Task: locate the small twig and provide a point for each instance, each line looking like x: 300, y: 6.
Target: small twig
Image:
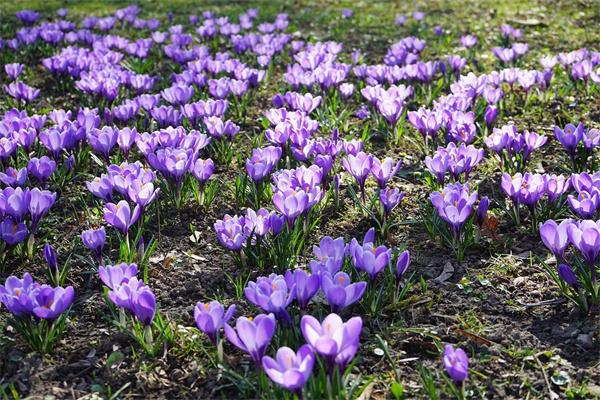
x: 543, y: 303
x: 551, y: 393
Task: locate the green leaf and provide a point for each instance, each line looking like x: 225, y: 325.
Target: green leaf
x: 113, y: 358
x: 397, y: 390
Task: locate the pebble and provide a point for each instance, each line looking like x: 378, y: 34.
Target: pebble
x: 585, y: 341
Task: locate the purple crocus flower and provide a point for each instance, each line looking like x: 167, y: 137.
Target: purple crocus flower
x: 335, y: 340
x: 307, y: 285
x: 271, y: 294
x: 347, y: 13
x: 359, y: 167
x: 142, y: 193
x: 371, y: 259
x: 50, y: 256
x: 120, y: 216
x: 101, y: 187
x: 390, y: 198
x: 290, y: 370
x: 330, y: 255
x: 567, y: 275
x: 143, y: 305
x: 454, y: 204
x: 585, y: 235
x: 556, y: 186
x: 103, y: 140
x: 383, y: 170
x: 556, y: 236
x: 339, y: 291
x: 469, y: 41
x: 12, y: 232
x: 533, y: 187
x: 39, y: 204
x: 211, y: 317
x: 115, y: 276
x: 291, y: 204
x: 202, y: 170
x: 14, y: 70
x: 16, y: 295
x: 482, y: 210
x: 230, y: 232
x: 253, y: 335
x: 16, y: 202
x: 94, y: 239
x: 13, y: 177
x: 585, y: 203
x: 570, y: 137
x: 456, y: 363
x: 262, y: 162
x: 52, y: 302
x: 402, y: 264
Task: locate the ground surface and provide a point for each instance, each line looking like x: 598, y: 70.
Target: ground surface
x: 517, y: 350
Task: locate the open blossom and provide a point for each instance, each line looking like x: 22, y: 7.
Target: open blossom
x: 290, y: 370
x: 253, y: 335
x: 272, y: 295
x: 211, y: 317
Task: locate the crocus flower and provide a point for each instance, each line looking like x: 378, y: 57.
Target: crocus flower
x: 143, y: 305
x: 211, y: 317
x: 570, y: 137
x: 456, y: 363
x: 120, y: 216
x: 94, y: 239
x: 202, y: 170
x: 532, y: 189
x: 271, y: 294
x: 51, y: 302
x: 253, y: 335
x: 482, y: 210
x: 12, y: 232
x: 390, y: 198
x: 383, y: 170
x: 290, y: 370
x: 13, y: 70
x: 291, y: 204
x: 567, y: 275
x: 402, y: 264
x: 16, y: 296
x: 339, y: 291
x: 556, y: 186
x: 230, y: 232
x: 359, y: 167
x: 585, y: 235
x: 330, y: 255
x: 16, y: 202
x: 454, y: 204
x: 335, y: 340
x: 50, y: 257
x: 307, y: 285
x: 103, y: 140
x: 40, y: 203
x: 13, y: 177
x: 556, y: 236
x: 371, y: 259
x: 585, y: 203
x: 262, y: 162
x: 115, y: 276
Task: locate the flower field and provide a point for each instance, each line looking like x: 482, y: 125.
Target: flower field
x: 284, y: 200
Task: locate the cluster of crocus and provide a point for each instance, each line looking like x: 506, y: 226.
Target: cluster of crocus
x: 131, y: 180
x: 528, y: 189
x: 514, y: 148
x: 31, y: 303
x: 454, y: 159
x: 15, y: 206
x: 233, y: 232
x: 297, y: 191
x: 361, y: 164
x: 585, y: 236
x: 579, y: 143
x: 129, y: 293
x: 454, y: 204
